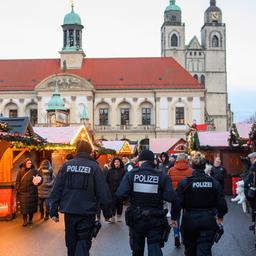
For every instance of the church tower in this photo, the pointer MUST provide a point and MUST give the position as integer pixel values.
(72, 53)
(173, 34)
(213, 41)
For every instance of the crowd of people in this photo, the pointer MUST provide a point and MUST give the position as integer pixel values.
(189, 190)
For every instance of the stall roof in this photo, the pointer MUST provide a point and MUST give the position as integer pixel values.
(243, 130)
(61, 135)
(19, 125)
(160, 145)
(214, 139)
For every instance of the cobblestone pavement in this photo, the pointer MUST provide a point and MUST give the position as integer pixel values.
(47, 238)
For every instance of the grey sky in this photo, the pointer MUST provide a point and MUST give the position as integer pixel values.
(131, 28)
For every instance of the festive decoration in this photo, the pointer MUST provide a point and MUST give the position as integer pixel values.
(126, 149)
(22, 138)
(4, 127)
(234, 139)
(105, 151)
(192, 139)
(252, 138)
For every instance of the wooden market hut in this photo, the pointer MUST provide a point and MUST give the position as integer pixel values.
(16, 135)
(213, 144)
(168, 145)
(61, 141)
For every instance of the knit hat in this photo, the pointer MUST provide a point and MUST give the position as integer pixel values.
(146, 155)
(83, 146)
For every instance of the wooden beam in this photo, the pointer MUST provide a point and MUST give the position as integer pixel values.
(19, 155)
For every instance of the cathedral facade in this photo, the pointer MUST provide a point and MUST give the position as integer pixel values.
(205, 60)
(124, 98)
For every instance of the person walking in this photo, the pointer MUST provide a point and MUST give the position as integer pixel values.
(44, 190)
(127, 164)
(78, 188)
(147, 187)
(165, 164)
(114, 177)
(218, 172)
(201, 198)
(179, 171)
(27, 180)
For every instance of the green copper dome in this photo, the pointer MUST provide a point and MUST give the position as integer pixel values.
(72, 18)
(173, 7)
(56, 102)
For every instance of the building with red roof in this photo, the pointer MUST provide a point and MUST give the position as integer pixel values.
(131, 98)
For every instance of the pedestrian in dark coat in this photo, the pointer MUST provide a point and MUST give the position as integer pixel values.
(44, 190)
(218, 172)
(114, 177)
(28, 178)
(165, 163)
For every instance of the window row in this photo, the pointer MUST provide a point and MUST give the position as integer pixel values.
(146, 116)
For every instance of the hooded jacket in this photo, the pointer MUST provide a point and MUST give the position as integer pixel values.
(179, 171)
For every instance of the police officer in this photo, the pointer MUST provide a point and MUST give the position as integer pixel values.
(147, 187)
(204, 205)
(79, 186)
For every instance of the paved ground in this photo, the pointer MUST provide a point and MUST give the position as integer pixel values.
(47, 238)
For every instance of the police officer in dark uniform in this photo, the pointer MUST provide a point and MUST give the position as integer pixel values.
(78, 188)
(146, 188)
(204, 206)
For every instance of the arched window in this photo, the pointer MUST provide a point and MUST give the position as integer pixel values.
(174, 40)
(124, 108)
(203, 80)
(103, 113)
(215, 41)
(179, 115)
(11, 110)
(31, 112)
(196, 77)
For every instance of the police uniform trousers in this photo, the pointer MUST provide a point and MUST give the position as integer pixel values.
(198, 229)
(78, 230)
(152, 229)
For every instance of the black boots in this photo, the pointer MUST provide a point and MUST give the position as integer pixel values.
(177, 241)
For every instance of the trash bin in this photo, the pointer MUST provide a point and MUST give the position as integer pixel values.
(7, 201)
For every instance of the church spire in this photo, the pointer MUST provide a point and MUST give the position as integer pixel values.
(213, 2)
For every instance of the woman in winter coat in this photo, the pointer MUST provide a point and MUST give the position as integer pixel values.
(28, 178)
(45, 188)
(114, 177)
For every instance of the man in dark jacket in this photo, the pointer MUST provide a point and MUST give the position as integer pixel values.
(204, 206)
(79, 186)
(218, 172)
(250, 187)
(147, 187)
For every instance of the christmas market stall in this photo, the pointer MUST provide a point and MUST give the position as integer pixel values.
(16, 136)
(62, 140)
(168, 145)
(228, 148)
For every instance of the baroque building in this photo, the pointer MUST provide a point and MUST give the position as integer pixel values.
(132, 98)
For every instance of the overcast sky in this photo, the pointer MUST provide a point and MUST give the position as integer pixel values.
(131, 28)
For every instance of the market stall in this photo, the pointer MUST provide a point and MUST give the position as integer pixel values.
(61, 141)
